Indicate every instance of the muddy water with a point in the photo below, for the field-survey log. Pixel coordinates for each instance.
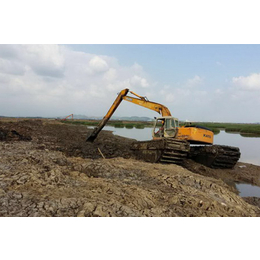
(249, 146)
(248, 190)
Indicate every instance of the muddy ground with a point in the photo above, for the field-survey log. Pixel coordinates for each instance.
(47, 169)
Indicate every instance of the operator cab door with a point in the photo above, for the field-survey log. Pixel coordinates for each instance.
(165, 127)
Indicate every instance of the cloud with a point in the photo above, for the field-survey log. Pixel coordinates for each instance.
(138, 81)
(12, 67)
(111, 74)
(188, 92)
(185, 99)
(8, 51)
(55, 80)
(44, 60)
(194, 82)
(97, 64)
(250, 83)
(137, 67)
(219, 91)
(170, 97)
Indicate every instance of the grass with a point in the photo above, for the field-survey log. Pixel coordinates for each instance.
(215, 130)
(117, 124)
(74, 122)
(139, 126)
(249, 135)
(129, 126)
(243, 129)
(234, 128)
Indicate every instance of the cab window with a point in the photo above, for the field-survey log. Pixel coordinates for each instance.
(170, 123)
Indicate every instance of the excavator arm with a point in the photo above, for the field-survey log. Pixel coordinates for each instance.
(144, 102)
(110, 112)
(141, 101)
(71, 115)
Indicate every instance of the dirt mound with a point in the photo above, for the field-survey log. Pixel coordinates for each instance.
(242, 172)
(35, 181)
(71, 139)
(13, 135)
(253, 201)
(58, 174)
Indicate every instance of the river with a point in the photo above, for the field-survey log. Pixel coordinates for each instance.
(249, 146)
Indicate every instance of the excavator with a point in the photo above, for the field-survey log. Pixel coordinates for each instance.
(64, 119)
(171, 142)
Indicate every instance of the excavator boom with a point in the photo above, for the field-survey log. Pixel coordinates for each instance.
(163, 110)
(141, 101)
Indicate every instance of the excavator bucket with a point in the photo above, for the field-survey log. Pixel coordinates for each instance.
(91, 138)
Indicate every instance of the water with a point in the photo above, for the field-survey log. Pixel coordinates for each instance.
(134, 133)
(249, 146)
(248, 190)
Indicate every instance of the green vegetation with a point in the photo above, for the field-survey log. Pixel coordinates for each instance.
(215, 130)
(129, 126)
(244, 129)
(117, 124)
(249, 135)
(139, 126)
(234, 128)
(74, 122)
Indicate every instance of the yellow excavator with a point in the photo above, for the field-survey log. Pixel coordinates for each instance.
(171, 143)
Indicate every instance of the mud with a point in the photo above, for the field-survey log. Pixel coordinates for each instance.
(54, 172)
(13, 135)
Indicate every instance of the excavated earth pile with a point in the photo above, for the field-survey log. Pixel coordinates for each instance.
(9, 134)
(56, 173)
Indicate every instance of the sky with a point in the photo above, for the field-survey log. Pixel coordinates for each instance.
(214, 83)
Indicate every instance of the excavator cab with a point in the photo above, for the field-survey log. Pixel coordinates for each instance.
(165, 127)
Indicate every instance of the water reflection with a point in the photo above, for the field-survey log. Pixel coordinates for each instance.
(249, 147)
(134, 133)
